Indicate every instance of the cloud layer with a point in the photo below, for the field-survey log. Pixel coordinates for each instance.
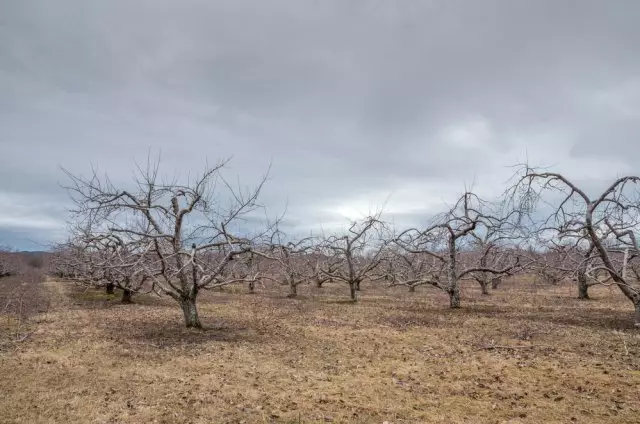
(355, 102)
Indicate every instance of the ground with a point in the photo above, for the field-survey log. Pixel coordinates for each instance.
(525, 354)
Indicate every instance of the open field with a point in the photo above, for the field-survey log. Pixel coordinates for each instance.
(521, 355)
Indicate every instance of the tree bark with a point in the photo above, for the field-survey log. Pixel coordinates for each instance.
(637, 316)
(583, 287)
(352, 291)
(110, 288)
(190, 311)
(126, 296)
(454, 298)
(319, 283)
(358, 285)
(484, 285)
(454, 287)
(484, 277)
(495, 283)
(412, 289)
(252, 286)
(293, 289)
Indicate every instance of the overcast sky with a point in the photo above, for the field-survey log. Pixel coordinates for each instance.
(354, 102)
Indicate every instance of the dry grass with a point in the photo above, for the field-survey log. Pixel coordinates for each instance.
(20, 298)
(395, 357)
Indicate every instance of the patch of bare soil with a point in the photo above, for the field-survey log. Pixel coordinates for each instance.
(525, 354)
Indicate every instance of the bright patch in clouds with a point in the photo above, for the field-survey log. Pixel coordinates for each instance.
(474, 134)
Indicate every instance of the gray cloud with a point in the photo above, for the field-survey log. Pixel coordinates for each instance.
(353, 101)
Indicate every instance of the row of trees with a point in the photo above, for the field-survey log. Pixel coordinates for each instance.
(14, 263)
(177, 239)
(6, 265)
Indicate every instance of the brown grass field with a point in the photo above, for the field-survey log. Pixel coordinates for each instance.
(525, 354)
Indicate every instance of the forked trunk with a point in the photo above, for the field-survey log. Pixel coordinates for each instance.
(191, 319)
(319, 283)
(252, 287)
(352, 291)
(110, 288)
(126, 296)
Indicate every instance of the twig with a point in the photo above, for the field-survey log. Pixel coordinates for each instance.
(22, 338)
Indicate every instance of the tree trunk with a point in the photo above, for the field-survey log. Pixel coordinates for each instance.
(412, 289)
(637, 316)
(454, 297)
(191, 319)
(484, 277)
(319, 283)
(358, 285)
(495, 283)
(583, 289)
(252, 286)
(454, 287)
(293, 289)
(110, 288)
(352, 290)
(484, 285)
(126, 296)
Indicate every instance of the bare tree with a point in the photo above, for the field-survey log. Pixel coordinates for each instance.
(411, 269)
(355, 256)
(122, 265)
(186, 228)
(292, 269)
(7, 268)
(321, 264)
(248, 268)
(609, 219)
(494, 247)
(579, 261)
(101, 261)
(76, 260)
(449, 236)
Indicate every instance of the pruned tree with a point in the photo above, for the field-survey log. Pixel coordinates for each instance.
(449, 236)
(248, 268)
(123, 265)
(356, 255)
(76, 260)
(320, 264)
(101, 261)
(609, 220)
(495, 246)
(411, 269)
(576, 260)
(289, 258)
(552, 259)
(187, 228)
